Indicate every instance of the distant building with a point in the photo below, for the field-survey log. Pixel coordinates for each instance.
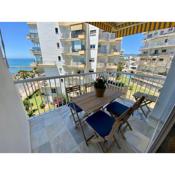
(67, 48)
(132, 63)
(157, 51)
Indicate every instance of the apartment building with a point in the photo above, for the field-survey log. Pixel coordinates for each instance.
(157, 51)
(67, 48)
(132, 64)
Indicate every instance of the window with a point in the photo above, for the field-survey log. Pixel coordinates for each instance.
(164, 51)
(161, 59)
(92, 32)
(56, 30)
(92, 46)
(155, 33)
(156, 52)
(161, 32)
(154, 59)
(91, 71)
(170, 29)
(149, 36)
(59, 58)
(58, 45)
(166, 40)
(53, 90)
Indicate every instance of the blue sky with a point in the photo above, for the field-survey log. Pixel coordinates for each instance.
(131, 44)
(14, 36)
(17, 46)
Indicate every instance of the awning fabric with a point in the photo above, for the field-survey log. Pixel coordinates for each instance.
(129, 28)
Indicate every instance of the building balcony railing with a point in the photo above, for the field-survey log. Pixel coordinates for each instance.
(36, 50)
(76, 65)
(101, 65)
(158, 45)
(114, 53)
(111, 66)
(69, 52)
(163, 34)
(69, 39)
(48, 93)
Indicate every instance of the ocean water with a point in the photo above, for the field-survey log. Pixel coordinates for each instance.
(15, 63)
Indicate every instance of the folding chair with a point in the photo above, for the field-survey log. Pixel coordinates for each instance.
(75, 109)
(117, 109)
(105, 127)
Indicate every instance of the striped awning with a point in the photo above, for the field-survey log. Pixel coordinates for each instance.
(130, 28)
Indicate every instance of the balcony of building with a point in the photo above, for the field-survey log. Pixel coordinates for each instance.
(33, 36)
(52, 128)
(36, 51)
(49, 125)
(70, 51)
(114, 54)
(75, 65)
(111, 66)
(161, 34)
(157, 45)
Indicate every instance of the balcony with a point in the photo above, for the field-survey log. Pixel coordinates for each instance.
(66, 38)
(69, 51)
(36, 51)
(115, 40)
(111, 66)
(75, 65)
(100, 65)
(52, 128)
(33, 37)
(114, 53)
(158, 45)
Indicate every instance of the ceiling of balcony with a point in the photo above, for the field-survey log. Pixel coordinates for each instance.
(130, 28)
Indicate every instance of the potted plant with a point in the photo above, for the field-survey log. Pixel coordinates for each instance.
(100, 86)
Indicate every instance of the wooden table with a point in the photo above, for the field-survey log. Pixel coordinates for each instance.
(90, 103)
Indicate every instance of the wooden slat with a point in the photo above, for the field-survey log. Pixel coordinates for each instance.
(90, 103)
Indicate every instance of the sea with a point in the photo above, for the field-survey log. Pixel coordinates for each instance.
(16, 64)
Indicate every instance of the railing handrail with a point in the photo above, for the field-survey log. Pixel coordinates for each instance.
(83, 74)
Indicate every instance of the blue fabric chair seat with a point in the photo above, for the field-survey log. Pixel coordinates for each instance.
(101, 122)
(116, 108)
(75, 107)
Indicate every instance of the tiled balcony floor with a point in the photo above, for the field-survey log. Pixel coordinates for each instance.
(54, 132)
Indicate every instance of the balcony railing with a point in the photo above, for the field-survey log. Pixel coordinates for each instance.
(44, 94)
(36, 50)
(160, 44)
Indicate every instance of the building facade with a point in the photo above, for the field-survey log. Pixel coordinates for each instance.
(157, 51)
(132, 64)
(67, 48)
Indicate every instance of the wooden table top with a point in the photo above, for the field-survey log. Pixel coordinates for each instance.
(90, 103)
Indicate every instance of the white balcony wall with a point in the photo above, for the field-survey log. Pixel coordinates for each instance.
(14, 126)
(48, 42)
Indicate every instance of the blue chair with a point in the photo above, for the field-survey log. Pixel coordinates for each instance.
(75, 109)
(104, 127)
(116, 109)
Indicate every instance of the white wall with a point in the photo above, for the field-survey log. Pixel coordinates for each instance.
(14, 126)
(48, 42)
